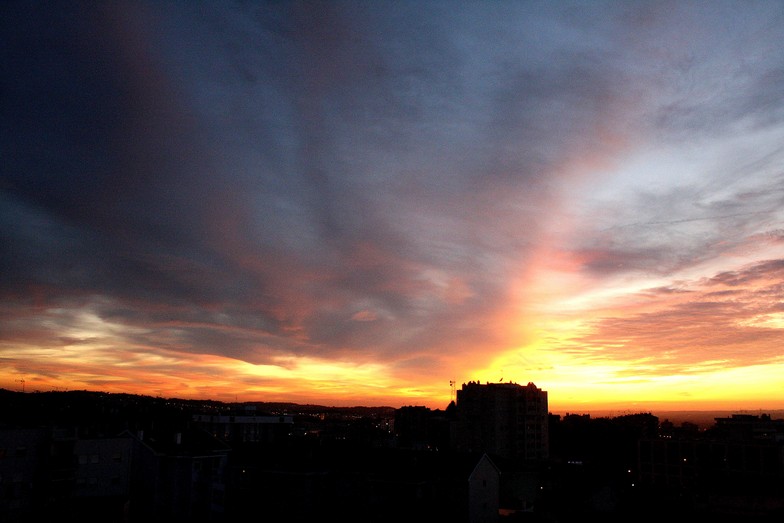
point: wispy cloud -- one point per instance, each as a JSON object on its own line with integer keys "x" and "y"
{"x": 388, "y": 187}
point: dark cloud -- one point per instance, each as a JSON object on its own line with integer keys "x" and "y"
{"x": 366, "y": 181}
{"x": 103, "y": 169}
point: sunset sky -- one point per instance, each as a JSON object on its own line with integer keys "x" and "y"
{"x": 358, "y": 203}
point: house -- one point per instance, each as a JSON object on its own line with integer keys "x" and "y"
{"x": 179, "y": 476}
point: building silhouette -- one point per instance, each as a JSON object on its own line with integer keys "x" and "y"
{"x": 503, "y": 419}
{"x": 494, "y": 455}
{"x": 735, "y": 468}
{"x": 249, "y": 428}
{"x": 178, "y": 476}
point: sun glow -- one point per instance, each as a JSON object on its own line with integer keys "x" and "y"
{"x": 578, "y": 376}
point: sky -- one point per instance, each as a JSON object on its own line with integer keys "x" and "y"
{"x": 372, "y": 203}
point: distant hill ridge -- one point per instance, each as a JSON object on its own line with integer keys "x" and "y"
{"x": 75, "y": 401}
{"x": 68, "y": 403}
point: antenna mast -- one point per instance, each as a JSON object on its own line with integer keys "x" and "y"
{"x": 452, "y": 392}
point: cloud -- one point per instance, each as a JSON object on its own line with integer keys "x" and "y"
{"x": 375, "y": 183}
{"x": 728, "y": 320}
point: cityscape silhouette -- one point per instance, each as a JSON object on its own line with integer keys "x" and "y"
{"x": 495, "y": 454}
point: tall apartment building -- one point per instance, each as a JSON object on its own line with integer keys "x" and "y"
{"x": 504, "y": 419}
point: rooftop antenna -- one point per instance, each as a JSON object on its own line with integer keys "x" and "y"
{"x": 22, "y": 381}
{"x": 452, "y": 392}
